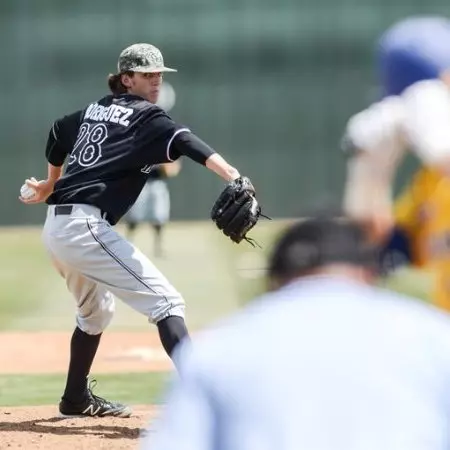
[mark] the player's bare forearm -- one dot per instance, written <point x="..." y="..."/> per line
<point x="171" y="169"/>
<point x="219" y="166"/>
<point x="367" y="196"/>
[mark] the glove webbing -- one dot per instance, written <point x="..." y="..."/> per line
<point x="253" y="242"/>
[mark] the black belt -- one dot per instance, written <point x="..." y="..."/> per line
<point x="66" y="210"/>
<point x="63" y="210"/>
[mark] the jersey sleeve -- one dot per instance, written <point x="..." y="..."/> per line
<point x="375" y="143"/>
<point x="376" y="129"/>
<point x="190" y="145"/>
<point x="427" y="120"/>
<point x="62" y="137"/>
<point x="157" y="134"/>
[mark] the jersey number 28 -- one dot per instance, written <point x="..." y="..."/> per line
<point x="88" y="146"/>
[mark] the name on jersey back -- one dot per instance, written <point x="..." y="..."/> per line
<point x="112" y="113"/>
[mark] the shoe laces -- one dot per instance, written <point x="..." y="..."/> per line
<point x="92" y="385"/>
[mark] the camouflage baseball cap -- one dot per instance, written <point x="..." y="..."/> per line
<point x="142" y="58"/>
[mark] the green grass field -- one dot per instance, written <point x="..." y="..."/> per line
<point x="215" y="276"/>
<point x="35" y="390"/>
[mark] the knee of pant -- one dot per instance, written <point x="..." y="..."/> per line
<point x="175" y="310"/>
<point x="97" y="322"/>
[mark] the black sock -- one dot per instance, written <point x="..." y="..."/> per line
<point x="171" y="331"/>
<point x="83" y="348"/>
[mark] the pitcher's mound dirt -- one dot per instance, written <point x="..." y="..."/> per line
<point x="39" y="427"/>
<point x="48" y="352"/>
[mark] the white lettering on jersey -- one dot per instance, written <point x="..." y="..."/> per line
<point x="108" y="113"/>
<point x="112" y="113"/>
<point x="102" y="113"/>
<point x="126" y="113"/>
<point x="147" y="168"/>
<point x="97" y="112"/>
<point x="89" y="110"/>
<point x="116" y="115"/>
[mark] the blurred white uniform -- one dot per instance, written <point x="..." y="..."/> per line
<point x="325" y="363"/>
<point x="417" y="120"/>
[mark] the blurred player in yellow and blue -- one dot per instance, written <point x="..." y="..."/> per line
<point x="421" y="236"/>
<point x="413" y="114"/>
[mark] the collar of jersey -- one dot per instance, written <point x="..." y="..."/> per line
<point x="137" y="97"/>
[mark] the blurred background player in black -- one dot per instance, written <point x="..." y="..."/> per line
<point x="153" y="205"/>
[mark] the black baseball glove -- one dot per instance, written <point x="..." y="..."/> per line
<point x="236" y="211"/>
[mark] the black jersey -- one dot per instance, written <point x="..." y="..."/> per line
<point x="112" y="146"/>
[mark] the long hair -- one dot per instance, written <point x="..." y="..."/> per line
<point x="115" y="83"/>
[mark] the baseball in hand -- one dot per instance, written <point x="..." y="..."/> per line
<point x="27" y="192"/>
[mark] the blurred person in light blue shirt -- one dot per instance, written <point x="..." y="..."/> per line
<point x="324" y="361"/>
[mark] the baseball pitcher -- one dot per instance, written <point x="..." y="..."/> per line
<point x="110" y="147"/>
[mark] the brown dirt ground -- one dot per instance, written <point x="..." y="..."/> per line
<point x="49" y="353"/>
<point x="40" y="427"/>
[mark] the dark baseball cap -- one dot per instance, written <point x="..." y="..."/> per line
<point x="319" y="241"/>
<point x="142" y="58"/>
